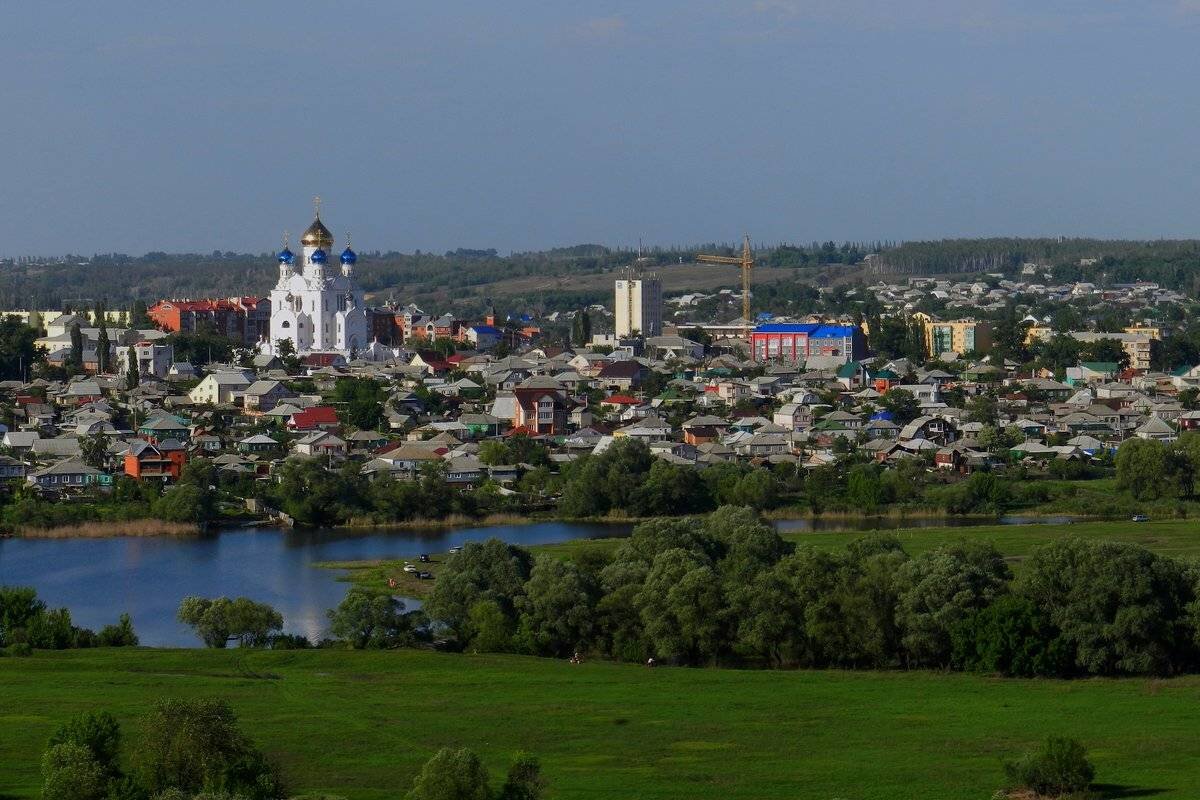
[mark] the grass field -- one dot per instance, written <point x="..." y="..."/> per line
<point x="1179" y="538"/>
<point x="361" y="723"/>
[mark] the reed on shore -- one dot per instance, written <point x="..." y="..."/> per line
<point x="111" y="529"/>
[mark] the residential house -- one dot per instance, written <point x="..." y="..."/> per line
<point x="69" y="473"/>
<point x="320" y="443"/>
<point x="163" y="460"/>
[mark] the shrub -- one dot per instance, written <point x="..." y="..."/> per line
<point x="20" y="650"/>
<point x="1060" y="767"/>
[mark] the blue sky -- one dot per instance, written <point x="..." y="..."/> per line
<point x="519" y="125"/>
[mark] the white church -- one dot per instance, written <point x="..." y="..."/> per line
<point x="316" y="305"/>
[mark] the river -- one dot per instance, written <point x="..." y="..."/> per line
<point x="98" y="579"/>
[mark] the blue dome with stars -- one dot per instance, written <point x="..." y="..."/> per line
<point x="349" y="256"/>
<point x="318" y="256"/>
<point x="286" y="256"/>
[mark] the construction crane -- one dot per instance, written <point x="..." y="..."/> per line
<point x="746" y="262"/>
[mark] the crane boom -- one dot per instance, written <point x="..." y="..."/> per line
<point x="746" y="262"/>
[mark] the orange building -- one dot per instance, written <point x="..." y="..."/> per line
<point x="247" y="319"/>
<point x="163" y="461"/>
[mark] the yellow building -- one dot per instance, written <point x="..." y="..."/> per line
<point x="1153" y="331"/>
<point x="955" y="336"/>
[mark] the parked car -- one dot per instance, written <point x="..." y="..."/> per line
<point x="1141" y="518"/>
<point x="424" y="558"/>
<point x="423" y="575"/>
<point x="409" y="568"/>
<point x="454" y="550"/>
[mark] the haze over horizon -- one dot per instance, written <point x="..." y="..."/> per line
<point x="524" y="126"/>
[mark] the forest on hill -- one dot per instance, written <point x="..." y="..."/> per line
<point x="558" y="278"/>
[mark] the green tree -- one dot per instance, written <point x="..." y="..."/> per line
<point x="864" y="489"/>
<point x="103" y="347"/>
<point x="1011" y="637"/>
<point x="71" y="772"/>
<point x="983" y="409"/>
<point x="940" y="589"/>
<point x="197" y="745"/>
<point x="557" y="610"/>
<point x="221" y="620"/>
<point x="133" y="375"/>
<point x="181" y="503"/>
<point x="682" y="608"/>
<point x="1121" y="608"/>
<point x="368" y="619"/>
<point x="1059" y="769"/>
<point x="138" y="318"/>
<point x="360" y="402"/>
<point x="491" y="629"/>
<point x="452" y="775"/>
<point x="94" y="450"/>
<point x="18" y="348"/>
<point x="119" y="635"/>
<point x="481" y="571"/>
<point x="75" y="358"/>
<point x="1142" y="467"/>
<point x="1184" y="462"/>
<point x="525" y="781"/>
<point x="285" y="350"/>
<point x="902" y="404"/>
<point x="98" y="733"/>
<point x="19" y="608"/>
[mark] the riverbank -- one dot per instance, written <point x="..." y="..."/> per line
<point x="697" y="733"/>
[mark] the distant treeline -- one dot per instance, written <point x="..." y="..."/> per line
<point x="120" y="279"/>
<point x="1174" y="263"/>
<point x="438" y="278"/>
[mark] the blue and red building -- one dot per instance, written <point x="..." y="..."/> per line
<point x="792" y="342"/>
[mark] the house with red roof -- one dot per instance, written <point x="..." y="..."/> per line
<point x="317" y="418"/>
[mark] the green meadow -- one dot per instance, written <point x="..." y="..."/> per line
<point x="360" y="724"/>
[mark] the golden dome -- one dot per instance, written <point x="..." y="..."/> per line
<point x="317" y="235"/>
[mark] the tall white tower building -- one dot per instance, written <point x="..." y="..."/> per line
<point x="638" y="306"/>
<point x="319" y="308"/>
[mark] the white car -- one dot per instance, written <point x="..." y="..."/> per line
<point x="409" y="568"/>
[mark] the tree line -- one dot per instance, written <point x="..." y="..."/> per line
<point x="726" y="589"/>
<point x="27" y="623"/>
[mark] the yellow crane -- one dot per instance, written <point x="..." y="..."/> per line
<point x="746" y="262"/>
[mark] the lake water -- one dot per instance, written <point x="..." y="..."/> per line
<point x="98" y="579"/>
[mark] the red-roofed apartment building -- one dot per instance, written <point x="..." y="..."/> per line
<point x="247" y="319"/>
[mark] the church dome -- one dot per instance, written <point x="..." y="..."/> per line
<point x="349" y="256"/>
<point x="317" y="235"/>
<point x="318" y="256"/>
<point x="286" y="256"/>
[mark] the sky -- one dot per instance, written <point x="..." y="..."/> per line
<point x="132" y="126"/>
